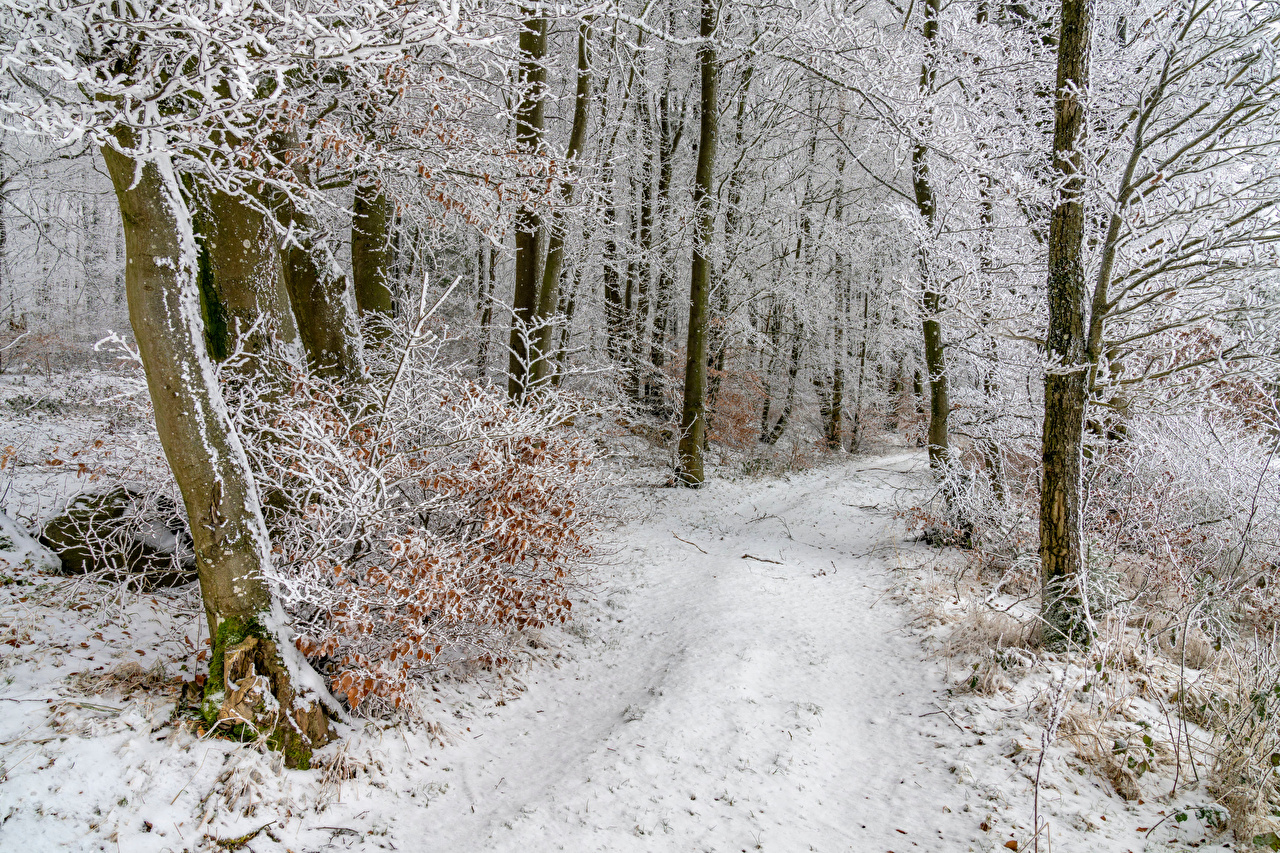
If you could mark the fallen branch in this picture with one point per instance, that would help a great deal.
(761, 560)
(687, 542)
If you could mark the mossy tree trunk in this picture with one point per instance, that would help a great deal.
(693, 415)
(935, 357)
(373, 218)
(208, 461)
(242, 285)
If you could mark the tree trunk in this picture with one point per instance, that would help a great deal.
(693, 416)
(644, 246)
(242, 278)
(788, 405)
(669, 132)
(719, 331)
(855, 437)
(773, 329)
(373, 218)
(549, 296)
(529, 125)
(209, 463)
(562, 351)
(321, 294)
(1064, 604)
(488, 261)
(931, 299)
(614, 311)
(834, 426)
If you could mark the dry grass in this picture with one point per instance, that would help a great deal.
(127, 678)
(1245, 719)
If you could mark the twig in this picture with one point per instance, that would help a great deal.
(193, 776)
(237, 843)
(943, 711)
(687, 542)
(758, 559)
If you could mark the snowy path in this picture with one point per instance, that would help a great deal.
(724, 703)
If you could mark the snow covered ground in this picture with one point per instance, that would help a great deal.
(740, 677)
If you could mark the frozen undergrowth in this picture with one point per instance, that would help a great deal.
(738, 677)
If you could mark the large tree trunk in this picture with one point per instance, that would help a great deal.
(373, 218)
(1064, 604)
(549, 296)
(529, 125)
(323, 302)
(242, 278)
(211, 468)
(693, 416)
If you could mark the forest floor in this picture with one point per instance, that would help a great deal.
(746, 672)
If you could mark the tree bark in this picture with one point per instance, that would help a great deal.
(855, 436)
(529, 125)
(207, 458)
(719, 344)
(1064, 605)
(788, 405)
(562, 351)
(373, 219)
(693, 416)
(644, 247)
(242, 277)
(670, 130)
(323, 302)
(834, 426)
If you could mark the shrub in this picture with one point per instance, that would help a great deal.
(419, 521)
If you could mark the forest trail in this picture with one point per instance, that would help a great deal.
(760, 695)
(737, 678)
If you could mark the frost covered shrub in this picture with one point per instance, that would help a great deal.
(1187, 505)
(418, 520)
(1245, 720)
(1199, 501)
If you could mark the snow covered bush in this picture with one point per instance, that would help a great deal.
(418, 520)
(1245, 720)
